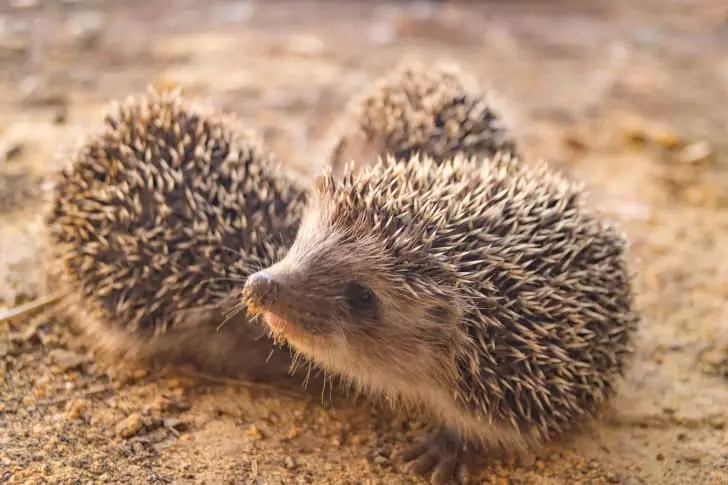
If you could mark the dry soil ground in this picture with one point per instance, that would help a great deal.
(630, 96)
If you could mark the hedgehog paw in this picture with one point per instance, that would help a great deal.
(441, 455)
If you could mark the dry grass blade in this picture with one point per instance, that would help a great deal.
(27, 308)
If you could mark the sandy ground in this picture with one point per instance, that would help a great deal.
(632, 97)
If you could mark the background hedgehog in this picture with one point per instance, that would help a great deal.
(435, 110)
(156, 219)
(494, 299)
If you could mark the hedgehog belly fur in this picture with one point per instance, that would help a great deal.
(426, 392)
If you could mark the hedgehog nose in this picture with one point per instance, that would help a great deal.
(260, 290)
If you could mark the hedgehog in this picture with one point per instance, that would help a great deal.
(434, 110)
(156, 219)
(496, 300)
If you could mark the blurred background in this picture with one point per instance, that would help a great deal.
(629, 96)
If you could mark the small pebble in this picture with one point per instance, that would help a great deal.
(171, 404)
(695, 153)
(254, 432)
(289, 463)
(689, 417)
(76, 408)
(380, 460)
(691, 456)
(293, 433)
(175, 383)
(612, 477)
(130, 426)
(176, 424)
(67, 360)
(717, 422)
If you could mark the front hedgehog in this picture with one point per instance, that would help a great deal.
(435, 110)
(492, 298)
(157, 217)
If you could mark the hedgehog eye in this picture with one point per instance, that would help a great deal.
(360, 297)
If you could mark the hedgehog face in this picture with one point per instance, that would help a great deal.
(338, 298)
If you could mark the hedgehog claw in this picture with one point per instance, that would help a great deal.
(440, 455)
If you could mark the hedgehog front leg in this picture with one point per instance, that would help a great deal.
(442, 454)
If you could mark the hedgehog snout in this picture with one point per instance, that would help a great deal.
(260, 291)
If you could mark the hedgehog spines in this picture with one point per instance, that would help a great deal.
(162, 212)
(437, 110)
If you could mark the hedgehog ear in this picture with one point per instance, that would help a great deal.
(326, 183)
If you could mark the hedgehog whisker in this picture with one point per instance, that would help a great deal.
(246, 268)
(323, 392)
(271, 236)
(225, 299)
(256, 266)
(237, 308)
(222, 296)
(210, 306)
(219, 279)
(246, 263)
(235, 252)
(231, 314)
(331, 390)
(292, 367)
(310, 368)
(307, 379)
(270, 354)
